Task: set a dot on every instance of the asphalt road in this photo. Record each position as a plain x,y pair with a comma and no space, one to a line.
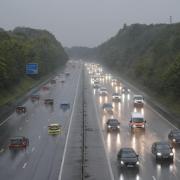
42,159
59,157
157,128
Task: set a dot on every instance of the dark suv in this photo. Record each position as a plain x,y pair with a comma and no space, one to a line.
174,136
162,150
113,124
127,157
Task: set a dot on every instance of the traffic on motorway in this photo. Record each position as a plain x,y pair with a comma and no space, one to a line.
123,118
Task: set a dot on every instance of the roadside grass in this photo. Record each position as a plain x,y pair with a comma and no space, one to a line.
17,90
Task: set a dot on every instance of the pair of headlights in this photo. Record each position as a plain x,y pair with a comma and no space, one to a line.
160,154
122,163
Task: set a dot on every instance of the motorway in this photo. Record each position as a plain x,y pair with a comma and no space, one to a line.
157,128
60,157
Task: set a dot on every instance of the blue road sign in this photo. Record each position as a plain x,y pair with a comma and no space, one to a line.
31,68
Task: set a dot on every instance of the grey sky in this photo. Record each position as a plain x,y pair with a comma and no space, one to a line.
85,22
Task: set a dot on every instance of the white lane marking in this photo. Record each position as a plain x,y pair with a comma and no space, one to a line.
2,150
39,137
4,121
27,120
32,150
108,160
69,128
48,120
153,177
24,166
162,117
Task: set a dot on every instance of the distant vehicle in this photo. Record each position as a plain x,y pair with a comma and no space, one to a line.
162,150
53,81
114,81
62,80
18,142
103,91
113,125
35,97
49,101
45,88
125,90
96,86
107,107
137,120
67,73
118,83
65,106
138,101
127,157
54,129
116,97
174,136
21,109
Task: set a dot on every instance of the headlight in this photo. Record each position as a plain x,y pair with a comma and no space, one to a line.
174,140
171,154
159,154
137,162
122,162
118,127
109,126
134,125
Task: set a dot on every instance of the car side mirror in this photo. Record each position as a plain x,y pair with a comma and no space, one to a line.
145,121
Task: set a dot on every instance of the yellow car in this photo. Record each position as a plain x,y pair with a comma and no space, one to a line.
54,129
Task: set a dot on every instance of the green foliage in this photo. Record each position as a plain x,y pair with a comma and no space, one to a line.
25,45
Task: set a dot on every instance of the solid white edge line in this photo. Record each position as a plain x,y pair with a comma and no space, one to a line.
25,164
102,137
69,128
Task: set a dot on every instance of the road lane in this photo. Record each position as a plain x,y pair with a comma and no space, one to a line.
42,158
157,129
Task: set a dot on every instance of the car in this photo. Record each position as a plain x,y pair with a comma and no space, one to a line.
67,73
107,107
54,129
62,80
18,142
35,97
113,124
127,157
125,90
116,97
53,81
21,109
138,101
96,86
49,101
113,81
45,88
162,150
174,136
137,120
65,106
103,91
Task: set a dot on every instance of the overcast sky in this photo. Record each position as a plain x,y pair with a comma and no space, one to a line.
85,22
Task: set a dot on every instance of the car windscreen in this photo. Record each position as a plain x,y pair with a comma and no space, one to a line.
16,141
163,146
128,155
176,134
113,121
138,120
138,98
54,127
108,106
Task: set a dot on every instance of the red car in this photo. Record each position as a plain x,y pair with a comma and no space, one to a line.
19,142
21,109
35,97
45,88
49,101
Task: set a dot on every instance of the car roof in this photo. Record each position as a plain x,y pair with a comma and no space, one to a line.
137,95
107,104
113,119
175,131
162,143
17,137
137,115
116,94
125,149
54,124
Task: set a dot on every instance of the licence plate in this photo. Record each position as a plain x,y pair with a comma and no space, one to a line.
130,165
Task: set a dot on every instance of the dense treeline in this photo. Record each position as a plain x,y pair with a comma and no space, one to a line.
149,54
25,45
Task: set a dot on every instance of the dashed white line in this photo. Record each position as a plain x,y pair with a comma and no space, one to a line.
32,150
24,166
39,137
153,177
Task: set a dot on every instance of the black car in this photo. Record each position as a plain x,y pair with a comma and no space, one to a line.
162,150
127,157
113,124
125,90
174,136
